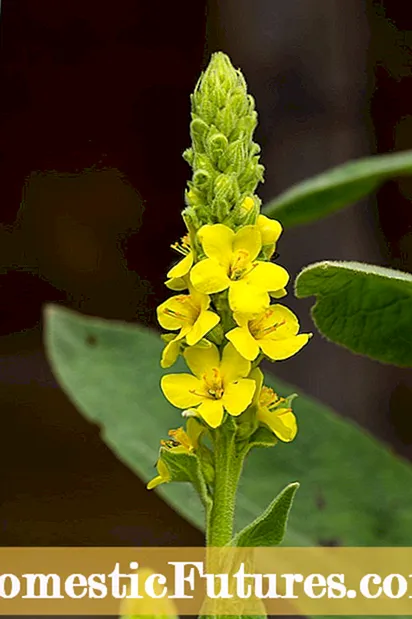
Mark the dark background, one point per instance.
(94, 113)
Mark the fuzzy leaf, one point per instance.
(365, 308)
(337, 188)
(270, 527)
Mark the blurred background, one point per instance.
(94, 114)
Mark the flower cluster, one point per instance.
(227, 323)
(226, 317)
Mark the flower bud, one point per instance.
(201, 178)
(216, 146)
(270, 229)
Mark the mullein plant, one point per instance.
(224, 316)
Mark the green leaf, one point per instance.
(365, 308)
(270, 527)
(334, 189)
(354, 491)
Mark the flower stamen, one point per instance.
(182, 247)
(269, 399)
(240, 265)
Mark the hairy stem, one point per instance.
(228, 467)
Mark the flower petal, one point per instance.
(202, 360)
(257, 375)
(162, 478)
(206, 321)
(233, 365)
(208, 276)
(278, 294)
(156, 481)
(177, 283)
(242, 319)
(200, 300)
(282, 422)
(244, 342)
(179, 389)
(212, 412)
(267, 276)
(182, 268)
(270, 229)
(246, 298)
(238, 396)
(277, 350)
(170, 353)
(194, 430)
(249, 239)
(217, 242)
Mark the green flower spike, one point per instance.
(223, 155)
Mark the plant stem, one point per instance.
(228, 466)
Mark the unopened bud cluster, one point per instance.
(223, 155)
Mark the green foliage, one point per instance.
(354, 491)
(365, 308)
(270, 527)
(337, 188)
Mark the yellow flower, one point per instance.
(177, 274)
(217, 384)
(274, 332)
(190, 313)
(276, 415)
(231, 263)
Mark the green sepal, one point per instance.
(262, 437)
(181, 466)
(270, 527)
(185, 467)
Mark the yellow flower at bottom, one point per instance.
(273, 412)
(217, 384)
(274, 332)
